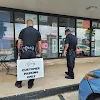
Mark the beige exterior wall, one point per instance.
(64, 7)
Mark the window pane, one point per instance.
(20, 24)
(49, 33)
(6, 16)
(33, 17)
(65, 23)
(19, 17)
(18, 28)
(6, 36)
(83, 35)
(95, 41)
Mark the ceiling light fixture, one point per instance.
(91, 8)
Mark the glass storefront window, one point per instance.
(48, 27)
(6, 36)
(65, 23)
(83, 37)
(20, 22)
(49, 33)
(95, 39)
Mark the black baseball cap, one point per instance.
(67, 30)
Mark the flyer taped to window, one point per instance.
(30, 69)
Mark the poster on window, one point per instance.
(94, 24)
(86, 24)
(45, 30)
(99, 25)
(19, 17)
(33, 17)
(97, 42)
(80, 23)
(54, 46)
(54, 24)
(44, 45)
(61, 38)
(43, 18)
(93, 44)
(54, 29)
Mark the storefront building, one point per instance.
(52, 28)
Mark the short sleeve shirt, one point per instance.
(30, 36)
(72, 41)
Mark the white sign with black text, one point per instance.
(30, 69)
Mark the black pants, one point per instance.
(28, 55)
(71, 63)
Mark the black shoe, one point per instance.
(18, 85)
(66, 73)
(30, 86)
(68, 77)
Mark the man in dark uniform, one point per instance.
(28, 38)
(70, 52)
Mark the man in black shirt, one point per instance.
(70, 52)
(28, 38)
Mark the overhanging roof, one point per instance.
(65, 7)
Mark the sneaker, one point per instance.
(18, 85)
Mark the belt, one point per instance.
(26, 48)
(70, 51)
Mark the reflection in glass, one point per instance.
(83, 42)
(65, 23)
(97, 42)
(19, 26)
(18, 29)
(49, 34)
(83, 38)
(6, 41)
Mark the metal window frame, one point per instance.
(50, 14)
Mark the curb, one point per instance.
(43, 93)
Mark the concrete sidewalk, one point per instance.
(65, 96)
(54, 77)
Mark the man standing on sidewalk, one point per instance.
(29, 37)
(70, 52)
